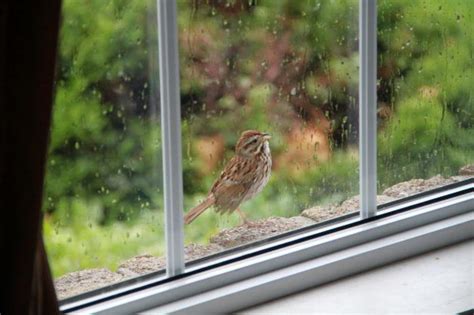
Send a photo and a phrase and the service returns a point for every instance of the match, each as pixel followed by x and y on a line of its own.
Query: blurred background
pixel 286 67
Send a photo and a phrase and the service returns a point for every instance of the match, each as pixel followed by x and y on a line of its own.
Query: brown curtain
pixel 28 43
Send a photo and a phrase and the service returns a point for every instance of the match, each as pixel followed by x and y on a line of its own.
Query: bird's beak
pixel 267 136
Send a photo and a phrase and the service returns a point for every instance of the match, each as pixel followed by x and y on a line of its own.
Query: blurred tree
pixel 289 67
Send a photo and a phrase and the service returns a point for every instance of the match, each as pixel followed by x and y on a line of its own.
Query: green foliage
pixel 432 130
pixel 102 136
pixel 423 140
pixel 81 243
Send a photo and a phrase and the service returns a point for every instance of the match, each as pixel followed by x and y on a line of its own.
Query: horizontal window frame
pixel 310 274
pixel 261 246
pixel 409 206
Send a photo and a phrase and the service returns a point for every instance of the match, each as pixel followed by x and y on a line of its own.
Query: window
pixel 104 173
pixel 295 69
pixel 275 71
pixel 425 106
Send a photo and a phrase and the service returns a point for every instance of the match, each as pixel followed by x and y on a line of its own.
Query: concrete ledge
pixel 82 281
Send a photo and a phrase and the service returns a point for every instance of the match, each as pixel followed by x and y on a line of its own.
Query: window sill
pixel 328 268
pixel 437 282
pixel 315 261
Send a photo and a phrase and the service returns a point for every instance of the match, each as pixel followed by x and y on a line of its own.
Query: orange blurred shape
pixel 210 150
pixel 428 92
pixel 307 147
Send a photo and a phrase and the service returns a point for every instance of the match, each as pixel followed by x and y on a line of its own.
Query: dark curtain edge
pixel 28 47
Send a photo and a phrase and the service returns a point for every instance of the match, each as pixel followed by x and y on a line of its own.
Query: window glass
pixel 287 68
pixel 103 195
pixel 425 95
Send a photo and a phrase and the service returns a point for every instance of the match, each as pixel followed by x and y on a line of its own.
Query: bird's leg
pixel 243 217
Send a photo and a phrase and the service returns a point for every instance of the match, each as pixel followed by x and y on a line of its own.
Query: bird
pixel 243 177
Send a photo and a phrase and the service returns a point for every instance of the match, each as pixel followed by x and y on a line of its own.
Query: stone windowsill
pixel 85 280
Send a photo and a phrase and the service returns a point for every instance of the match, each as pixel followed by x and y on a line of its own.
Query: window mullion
pixel 368 107
pixel 171 135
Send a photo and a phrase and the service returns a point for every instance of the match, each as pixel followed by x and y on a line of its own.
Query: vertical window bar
pixel 171 135
pixel 368 107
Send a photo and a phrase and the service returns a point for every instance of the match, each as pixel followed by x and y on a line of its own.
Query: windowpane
pixel 425 109
pixel 288 68
pixel 103 196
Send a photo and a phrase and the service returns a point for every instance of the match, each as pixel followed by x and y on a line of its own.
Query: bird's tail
pixel 200 208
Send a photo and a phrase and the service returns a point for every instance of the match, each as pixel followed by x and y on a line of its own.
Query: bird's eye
pixel 253 141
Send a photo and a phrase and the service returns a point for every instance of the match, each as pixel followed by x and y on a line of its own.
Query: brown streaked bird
pixel 243 177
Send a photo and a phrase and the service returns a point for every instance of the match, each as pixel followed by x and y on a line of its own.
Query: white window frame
pixel 171 123
pixel 171 135
pixel 295 262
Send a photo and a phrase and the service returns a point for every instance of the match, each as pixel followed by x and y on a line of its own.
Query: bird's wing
pixel 238 171
pixel 233 184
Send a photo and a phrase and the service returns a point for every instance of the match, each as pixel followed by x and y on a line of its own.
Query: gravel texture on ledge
pixel 323 213
pixel 140 265
pixel 416 186
pixel 467 170
pixel 257 230
pixel 143 264
pixel 81 281
pixel 85 280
